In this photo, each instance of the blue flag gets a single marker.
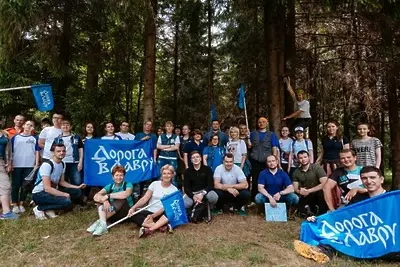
(174, 208)
(102, 155)
(240, 100)
(43, 96)
(367, 229)
(214, 115)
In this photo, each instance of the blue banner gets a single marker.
(240, 101)
(102, 155)
(174, 208)
(368, 229)
(43, 96)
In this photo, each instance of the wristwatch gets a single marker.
(280, 193)
(204, 192)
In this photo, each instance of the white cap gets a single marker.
(299, 128)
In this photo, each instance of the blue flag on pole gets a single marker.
(214, 115)
(43, 96)
(240, 100)
(102, 155)
(174, 208)
(368, 229)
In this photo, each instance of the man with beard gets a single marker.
(274, 185)
(308, 181)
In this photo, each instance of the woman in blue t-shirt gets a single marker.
(213, 154)
(114, 201)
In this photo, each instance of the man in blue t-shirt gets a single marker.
(275, 186)
(223, 138)
(147, 134)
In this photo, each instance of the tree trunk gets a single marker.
(272, 82)
(210, 72)
(290, 53)
(150, 62)
(176, 69)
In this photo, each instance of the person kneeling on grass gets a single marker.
(50, 177)
(114, 201)
(372, 180)
(155, 211)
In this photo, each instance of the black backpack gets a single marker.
(200, 212)
(29, 181)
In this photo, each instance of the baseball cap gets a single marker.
(299, 128)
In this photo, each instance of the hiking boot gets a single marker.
(51, 214)
(310, 252)
(39, 214)
(242, 212)
(143, 232)
(9, 216)
(93, 227)
(16, 210)
(101, 229)
(22, 209)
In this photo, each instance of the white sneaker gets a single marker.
(50, 214)
(39, 214)
(22, 209)
(16, 210)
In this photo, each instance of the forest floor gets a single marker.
(230, 240)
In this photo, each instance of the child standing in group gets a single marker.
(25, 150)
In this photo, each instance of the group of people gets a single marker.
(229, 171)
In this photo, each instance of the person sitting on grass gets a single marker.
(230, 184)
(51, 191)
(153, 218)
(114, 201)
(274, 185)
(372, 180)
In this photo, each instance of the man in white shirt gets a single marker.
(230, 184)
(48, 134)
(51, 191)
(124, 131)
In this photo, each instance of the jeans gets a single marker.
(256, 168)
(46, 201)
(290, 199)
(72, 175)
(211, 197)
(18, 194)
(224, 197)
(174, 162)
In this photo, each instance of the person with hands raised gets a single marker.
(114, 201)
(51, 192)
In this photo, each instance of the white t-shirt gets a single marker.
(305, 107)
(45, 170)
(233, 176)
(111, 137)
(177, 139)
(49, 134)
(126, 136)
(158, 192)
(285, 146)
(69, 151)
(24, 148)
(237, 148)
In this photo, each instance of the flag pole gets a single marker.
(245, 112)
(136, 212)
(15, 88)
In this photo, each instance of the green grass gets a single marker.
(230, 240)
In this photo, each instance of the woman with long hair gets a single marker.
(285, 145)
(238, 148)
(89, 132)
(109, 131)
(367, 148)
(332, 143)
